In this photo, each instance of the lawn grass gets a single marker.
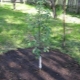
(14, 32)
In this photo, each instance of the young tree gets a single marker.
(64, 27)
(40, 31)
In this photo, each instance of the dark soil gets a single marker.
(21, 65)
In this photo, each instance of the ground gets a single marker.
(21, 64)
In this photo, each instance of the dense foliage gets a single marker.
(39, 29)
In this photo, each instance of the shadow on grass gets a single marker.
(13, 29)
(73, 49)
(74, 14)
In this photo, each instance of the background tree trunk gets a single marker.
(1, 2)
(24, 1)
(53, 8)
(14, 4)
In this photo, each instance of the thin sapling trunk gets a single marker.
(64, 26)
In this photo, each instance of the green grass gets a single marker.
(14, 30)
(13, 25)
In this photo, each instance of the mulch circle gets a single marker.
(21, 65)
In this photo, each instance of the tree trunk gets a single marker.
(64, 27)
(14, 4)
(24, 1)
(53, 8)
(1, 2)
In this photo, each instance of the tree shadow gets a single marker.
(14, 67)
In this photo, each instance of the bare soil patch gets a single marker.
(21, 65)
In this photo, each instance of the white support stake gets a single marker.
(40, 62)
